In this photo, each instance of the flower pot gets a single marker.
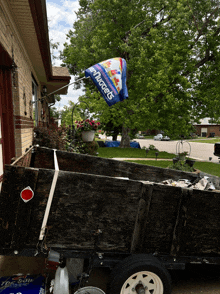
(88, 136)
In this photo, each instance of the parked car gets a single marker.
(158, 137)
(165, 138)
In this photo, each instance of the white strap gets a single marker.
(50, 198)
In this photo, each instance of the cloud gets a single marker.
(72, 94)
(62, 13)
(61, 16)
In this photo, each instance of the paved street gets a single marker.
(199, 151)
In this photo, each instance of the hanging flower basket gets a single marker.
(88, 136)
(87, 129)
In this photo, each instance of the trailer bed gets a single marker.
(106, 205)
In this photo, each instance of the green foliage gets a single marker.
(152, 147)
(51, 137)
(91, 148)
(54, 111)
(78, 146)
(173, 59)
(207, 167)
(181, 165)
(69, 116)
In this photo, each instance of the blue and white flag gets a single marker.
(110, 78)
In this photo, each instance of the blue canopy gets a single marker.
(117, 143)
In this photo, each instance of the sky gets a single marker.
(61, 16)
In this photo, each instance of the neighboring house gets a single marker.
(25, 72)
(207, 129)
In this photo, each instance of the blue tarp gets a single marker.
(117, 143)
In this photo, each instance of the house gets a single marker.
(26, 73)
(207, 129)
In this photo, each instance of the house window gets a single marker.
(35, 103)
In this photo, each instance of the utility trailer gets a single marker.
(113, 213)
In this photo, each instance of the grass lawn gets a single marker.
(112, 152)
(205, 140)
(206, 167)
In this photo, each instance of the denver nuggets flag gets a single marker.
(110, 78)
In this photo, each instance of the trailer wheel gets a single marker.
(140, 274)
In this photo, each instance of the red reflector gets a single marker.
(27, 194)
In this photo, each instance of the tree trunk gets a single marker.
(114, 137)
(125, 139)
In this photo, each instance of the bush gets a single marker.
(152, 147)
(181, 165)
(51, 137)
(91, 148)
(59, 138)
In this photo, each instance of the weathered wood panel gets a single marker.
(43, 158)
(133, 216)
(162, 215)
(201, 232)
(20, 222)
(45, 178)
(114, 168)
(85, 203)
(14, 213)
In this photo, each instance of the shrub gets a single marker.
(91, 148)
(51, 137)
(152, 147)
(181, 165)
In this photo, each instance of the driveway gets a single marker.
(199, 151)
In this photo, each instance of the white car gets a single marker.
(166, 138)
(158, 137)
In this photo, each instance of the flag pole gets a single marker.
(45, 96)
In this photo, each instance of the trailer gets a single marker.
(112, 213)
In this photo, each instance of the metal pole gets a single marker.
(45, 97)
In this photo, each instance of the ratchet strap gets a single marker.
(50, 198)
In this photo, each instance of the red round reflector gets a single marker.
(27, 194)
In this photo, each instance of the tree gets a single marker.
(70, 114)
(54, 111)
(172, 53)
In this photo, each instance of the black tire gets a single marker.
(137, 270)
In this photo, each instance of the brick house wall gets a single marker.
(26, 64)
(207, 129)
(10, 40)
(25, 70)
